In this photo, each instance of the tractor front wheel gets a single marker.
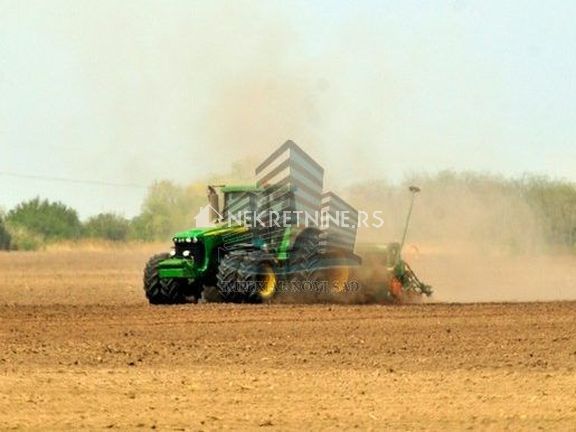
(162, 291)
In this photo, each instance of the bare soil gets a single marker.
(80, 349)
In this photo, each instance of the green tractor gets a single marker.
(240, 260)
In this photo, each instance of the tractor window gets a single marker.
(236, 203)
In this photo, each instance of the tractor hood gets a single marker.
(200, 233)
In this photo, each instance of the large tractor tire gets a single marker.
(227, 276)
(304, 257)
(247, 276)
(305, 276)
(162, 291)
(312, 275)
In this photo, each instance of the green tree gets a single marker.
(108, 226)
(5, 237)
(517, 215)
(50, 220)
(555, 203)
(168, 208)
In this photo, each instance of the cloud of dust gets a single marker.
(470, 237)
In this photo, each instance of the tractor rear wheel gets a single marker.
(247, 276)
(162, 291)
(307, 278)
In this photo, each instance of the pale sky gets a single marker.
(134, 91)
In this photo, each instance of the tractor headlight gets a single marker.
(172, 252)
(186, 253)
(188, 240)
(194, 240)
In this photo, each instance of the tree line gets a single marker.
(169, 207)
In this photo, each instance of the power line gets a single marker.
(70, 180)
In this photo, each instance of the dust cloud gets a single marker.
(472, 241)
